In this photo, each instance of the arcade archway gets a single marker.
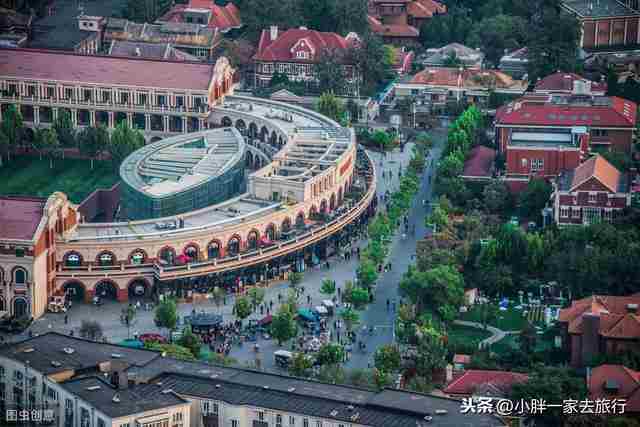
(75, 291)
(107, 290)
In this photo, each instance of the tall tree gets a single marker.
(372, 62)
(331, 106)
(166, 315)
(64, 128)
(387, 358)
(284, 326)
(48, 138)
(259, 15)
(328, 71)
(93, 141)
(350, 16)
(11, 127)
(256, 296)
(4, 147)
(242, 308)
(496, 34)
(124, 141)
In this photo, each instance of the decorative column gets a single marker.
(130, 119)
(74, 117)
(36, 115)
(184, 125)
(166, 123)
(111, 120)
(55, 113)
(200, 124)
(147, 122)
(92, 117)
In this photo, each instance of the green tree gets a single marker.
(295, 278)
(367, 273)
(166, 315)
(63, 126)
(91, 330)
(331, 79)
(527, 339)
(242, 308)
(534, 197)
(371, 62)
(357, 296)
(498, 33)
(124, 141)
(382, 140)
(256, 296)
(328, 287)
(171, 350)
(441, 287)
(283, 325)
(278, 79)
(350, 318)
(258, 15)
(330, 354)
(48, 138)
(430, 355)
(4, 147)
(11, 127)
(145, 10)
(93, 141)
(496, 196)
(331, 106)
(191, 341)
(300, 365)
(128, 315)
(551, 384)
(350, 16)
(217, 294)
(387, 358)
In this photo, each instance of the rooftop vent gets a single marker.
(116, 398)
(350, 407)
(334, 413)
(116, 355)
(167, 391)
(441, 411)
(93, 388)
(291, 389)
(355, 416)
(218, 386)
(266, 387)
(68, 350)
(611, 385)
(56, 364)
(159, 383)
(28, 350)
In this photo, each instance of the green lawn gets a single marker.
(509, 320)
(463, 335)
(29, 176)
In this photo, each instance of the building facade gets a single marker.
(542, 135)
(160, 98)
(399, 21)
(593, 192)
(90, 384)
(295, 53)
(205, 13)
(606, 24)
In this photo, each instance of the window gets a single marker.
(85, 418)
(235, 423)
(278, 420)
(305, 422)
(20, 276)
(50, 92)
(564, 211)
(101, 423)
(593, 197)
(162, 100)
(19, 252)
(537, 164)
(607, 214)
(524, 162)
(318, 423)
(52, 393)
(301, 55)
(17, 376)
(87, 94)
(261, 415)
(292, 421)
(575, 212)
(598, 132)
(1, 372)
(68, 93)
(125, 425)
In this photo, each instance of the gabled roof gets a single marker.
(626, 380)
(392, 30)
(425, 8)
(469, 78)
(474, 379)
(599, 168)
(615, 319)
(479, 162)
(20, 217)
(563, 82)
(222, 17)
(280, 48)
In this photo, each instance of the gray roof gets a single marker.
(464, 54)
(60, 30)
(175, 164)
(46, 353)
(598, 8)
(145, 50)
(135, 400)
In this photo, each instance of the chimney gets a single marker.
(273, 30)
(632, 308)
(590, 337)
(119, 376)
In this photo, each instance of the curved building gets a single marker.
(182, 174)
(308, 187)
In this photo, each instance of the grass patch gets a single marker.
(509, 320)
(466, 336)
(29, 176)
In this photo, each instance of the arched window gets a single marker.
(233, 247)
(138, 257)
(72, 259)
(286, 225)
(252, 240)
(213, 250)
(106, 258)
(20, 276)
(167, 256)
(192, 252)
(300, 220)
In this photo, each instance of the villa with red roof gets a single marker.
(205, 12)
(600, 325)
(595, 191)
(616, 382)
(565, 83)
(545, 134)
(477, 382)
(295, 52)
(399, 21)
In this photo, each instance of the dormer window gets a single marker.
(302, 55)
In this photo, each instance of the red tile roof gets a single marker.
(597, 167)
(463, 359)
(441, 76)
(627, 381)
(563, 82)
(280, 48)
(480, 162)
(474, 379)
(620, 113)
(20, 217)
(104, 70)
(391, 30)
(222, 17)
(615, 319)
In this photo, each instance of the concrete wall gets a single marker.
(102, 202)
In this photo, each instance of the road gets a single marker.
(376, 314)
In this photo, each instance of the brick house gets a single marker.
(606, 24)
(399, 21)
(205, 12)
(594, 191)
(564, 83)
(542, 135)
(295, 52)
(600, 325)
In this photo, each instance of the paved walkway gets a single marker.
(496, 334)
